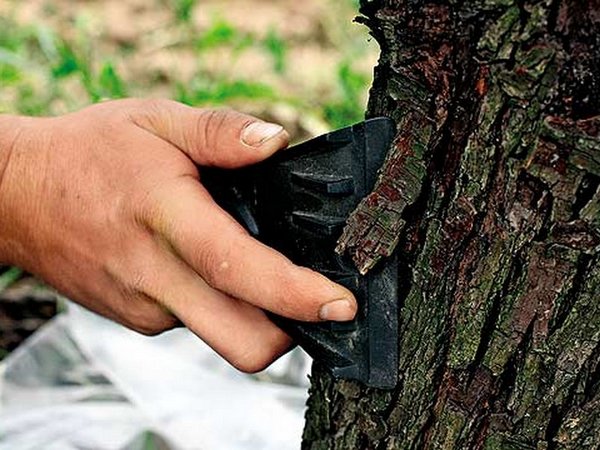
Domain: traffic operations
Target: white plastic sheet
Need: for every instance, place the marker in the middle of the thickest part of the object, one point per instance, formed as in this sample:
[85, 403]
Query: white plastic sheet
[83, 382]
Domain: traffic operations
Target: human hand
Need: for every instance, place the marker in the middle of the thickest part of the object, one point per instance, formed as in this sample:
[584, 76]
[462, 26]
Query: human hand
[105, 204]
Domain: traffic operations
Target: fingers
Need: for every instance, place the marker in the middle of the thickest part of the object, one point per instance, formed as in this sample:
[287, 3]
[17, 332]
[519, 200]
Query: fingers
[238, 331]
[221, 138]
[218, 249]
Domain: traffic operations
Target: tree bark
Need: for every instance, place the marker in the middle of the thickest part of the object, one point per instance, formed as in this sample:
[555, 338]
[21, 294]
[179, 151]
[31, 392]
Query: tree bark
[490, 195]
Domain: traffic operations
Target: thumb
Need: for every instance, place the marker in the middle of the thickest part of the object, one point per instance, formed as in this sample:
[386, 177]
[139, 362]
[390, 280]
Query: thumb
[211, 137]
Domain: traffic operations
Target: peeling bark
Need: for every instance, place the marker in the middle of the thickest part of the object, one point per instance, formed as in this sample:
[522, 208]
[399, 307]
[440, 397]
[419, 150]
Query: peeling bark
[491, 197]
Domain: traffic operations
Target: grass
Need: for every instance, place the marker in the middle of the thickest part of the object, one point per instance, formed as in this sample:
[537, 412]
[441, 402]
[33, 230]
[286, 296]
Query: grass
[183, 9]
[53, 67]
[348, 108]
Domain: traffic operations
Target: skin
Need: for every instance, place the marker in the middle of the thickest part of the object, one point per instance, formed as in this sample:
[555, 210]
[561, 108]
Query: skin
[107, 206]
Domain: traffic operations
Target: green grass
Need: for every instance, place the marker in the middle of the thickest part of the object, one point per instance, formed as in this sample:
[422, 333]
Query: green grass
[183, 9]
[222, 33]
[348, 107]
[277, 48]
[45, 70]
[218, 92]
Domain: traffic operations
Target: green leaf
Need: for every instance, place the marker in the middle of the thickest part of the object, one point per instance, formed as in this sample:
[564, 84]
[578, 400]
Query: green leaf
[67, 63]
[222, 33]
[183, 9]
[203, 91]
[351, 81]
[11, 67]
[277, 48]
[9, 75]
[349, 107]
[110, 83]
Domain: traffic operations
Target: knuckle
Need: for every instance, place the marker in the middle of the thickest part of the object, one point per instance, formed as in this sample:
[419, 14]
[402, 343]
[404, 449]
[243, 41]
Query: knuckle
[138, 281]
[254, 360]
[139, 304]
[154, 105]
[250, 368]
[149, 113]
[291, 296]
[259, 354]
[149, 209]
[147, 318]
[216, 131]
[210, 259]
[148, 329]
[208, 129]
[215, 260]
[139, 269]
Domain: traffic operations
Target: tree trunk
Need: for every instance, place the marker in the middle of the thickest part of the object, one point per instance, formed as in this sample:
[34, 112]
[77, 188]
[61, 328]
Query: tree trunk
[491, 198]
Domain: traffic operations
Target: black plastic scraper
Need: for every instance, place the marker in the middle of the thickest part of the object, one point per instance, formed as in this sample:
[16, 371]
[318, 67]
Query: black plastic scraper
[297, 202]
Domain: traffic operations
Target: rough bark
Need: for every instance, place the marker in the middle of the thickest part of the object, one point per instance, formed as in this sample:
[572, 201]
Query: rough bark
[491, 197]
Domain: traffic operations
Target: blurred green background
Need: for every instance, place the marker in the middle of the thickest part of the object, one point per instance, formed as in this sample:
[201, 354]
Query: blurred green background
[304, 64]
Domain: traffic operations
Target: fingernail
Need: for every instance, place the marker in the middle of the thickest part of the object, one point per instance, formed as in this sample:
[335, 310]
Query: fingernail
[339, 310]
[258, 132]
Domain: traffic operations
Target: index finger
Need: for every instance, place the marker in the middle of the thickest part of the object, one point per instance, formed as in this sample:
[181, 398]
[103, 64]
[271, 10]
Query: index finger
[226, 257]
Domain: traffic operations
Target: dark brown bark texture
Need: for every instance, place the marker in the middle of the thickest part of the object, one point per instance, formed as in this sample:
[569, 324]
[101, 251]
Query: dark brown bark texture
[490, 195]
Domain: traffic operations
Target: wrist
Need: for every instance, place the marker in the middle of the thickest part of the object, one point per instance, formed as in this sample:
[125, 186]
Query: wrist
[11, 129]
